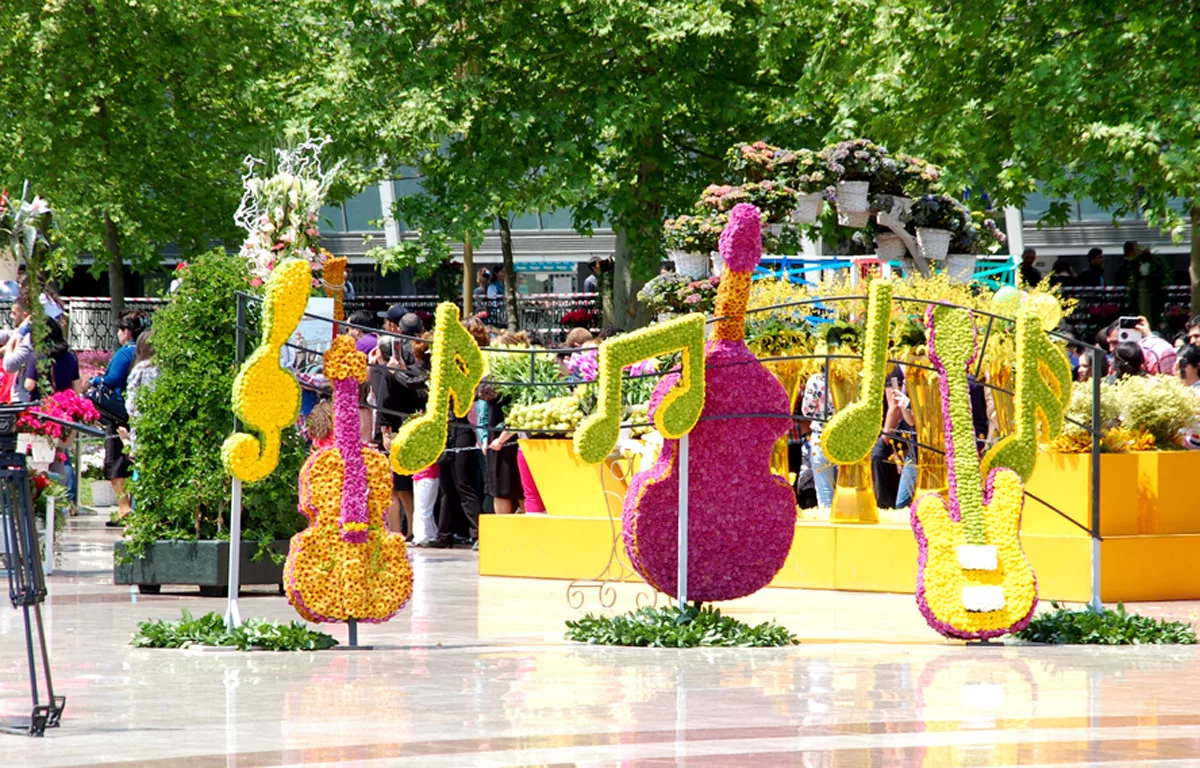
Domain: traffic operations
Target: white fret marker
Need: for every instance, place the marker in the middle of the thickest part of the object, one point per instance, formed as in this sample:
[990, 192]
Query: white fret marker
[978, 557]
[983, 598]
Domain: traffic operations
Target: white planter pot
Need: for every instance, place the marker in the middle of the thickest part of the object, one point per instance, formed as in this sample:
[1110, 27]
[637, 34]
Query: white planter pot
[894, 219]
[960, 267]
[852, 196]
[42, 448]
[690, 264]
[718, 263]
[855, 219]
[889, 246]
[103, 494]
[775, 229]
[808, 208]
[933, 244]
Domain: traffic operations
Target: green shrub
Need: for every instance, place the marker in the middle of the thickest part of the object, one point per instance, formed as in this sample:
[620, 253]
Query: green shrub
[1159, 405]
[182, 491]
[209, 629]
[671, 628]
[1087, 627]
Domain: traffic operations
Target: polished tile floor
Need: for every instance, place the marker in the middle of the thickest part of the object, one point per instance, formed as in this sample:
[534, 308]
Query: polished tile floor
[475, 672]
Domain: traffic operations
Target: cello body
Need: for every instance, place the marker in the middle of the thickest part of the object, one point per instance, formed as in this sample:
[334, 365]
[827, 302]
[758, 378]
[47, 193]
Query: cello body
[741, 516]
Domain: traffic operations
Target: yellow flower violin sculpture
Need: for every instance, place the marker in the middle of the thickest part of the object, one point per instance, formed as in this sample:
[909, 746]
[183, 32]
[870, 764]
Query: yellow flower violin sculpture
[266, 398]
[346, 564]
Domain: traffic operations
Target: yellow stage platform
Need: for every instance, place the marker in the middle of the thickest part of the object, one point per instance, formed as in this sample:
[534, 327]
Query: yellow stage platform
[1150, 529]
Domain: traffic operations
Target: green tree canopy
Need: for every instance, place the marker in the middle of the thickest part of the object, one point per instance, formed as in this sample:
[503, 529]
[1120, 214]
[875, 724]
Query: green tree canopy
[132, 118]
[622, 110]
[1095, 99]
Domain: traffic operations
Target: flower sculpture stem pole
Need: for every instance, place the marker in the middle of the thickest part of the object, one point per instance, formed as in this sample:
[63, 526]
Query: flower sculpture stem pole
[681, 598]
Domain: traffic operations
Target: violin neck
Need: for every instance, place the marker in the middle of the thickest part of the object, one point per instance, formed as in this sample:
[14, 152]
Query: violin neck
[732, 298]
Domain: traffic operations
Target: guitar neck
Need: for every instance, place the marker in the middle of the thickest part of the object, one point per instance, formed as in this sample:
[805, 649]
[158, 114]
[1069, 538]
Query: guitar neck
[955, 331]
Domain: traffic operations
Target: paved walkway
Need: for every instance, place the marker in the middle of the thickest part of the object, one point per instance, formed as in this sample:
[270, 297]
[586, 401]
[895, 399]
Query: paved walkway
[475, 672]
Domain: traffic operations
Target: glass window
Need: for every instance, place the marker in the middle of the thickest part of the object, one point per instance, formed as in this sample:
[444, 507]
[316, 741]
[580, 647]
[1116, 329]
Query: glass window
[363, 209]
[407, 184]
[1036, 205]
[560, 219]
[331, 219]
[1090, 211]
[528, 221]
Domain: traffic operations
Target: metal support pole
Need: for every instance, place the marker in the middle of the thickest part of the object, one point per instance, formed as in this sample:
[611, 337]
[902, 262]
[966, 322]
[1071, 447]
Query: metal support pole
[682, 575]
[1097, 373]
[352, 623]
[233, 618]
[48, 551]
[78, 469]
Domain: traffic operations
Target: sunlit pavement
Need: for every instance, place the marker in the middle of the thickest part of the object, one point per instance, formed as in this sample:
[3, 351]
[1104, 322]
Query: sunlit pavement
[476, 672]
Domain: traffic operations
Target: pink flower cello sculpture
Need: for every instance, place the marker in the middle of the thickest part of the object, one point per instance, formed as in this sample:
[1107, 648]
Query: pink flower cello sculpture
[741, 517]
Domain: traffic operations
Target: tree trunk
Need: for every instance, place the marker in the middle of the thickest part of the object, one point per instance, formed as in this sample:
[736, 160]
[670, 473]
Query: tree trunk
[468, 301]
[1194, 272]
[116, 275]
[512, 319]
[627, 312]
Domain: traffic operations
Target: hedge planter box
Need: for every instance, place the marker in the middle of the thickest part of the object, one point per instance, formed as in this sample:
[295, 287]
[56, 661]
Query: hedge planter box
[202, 563]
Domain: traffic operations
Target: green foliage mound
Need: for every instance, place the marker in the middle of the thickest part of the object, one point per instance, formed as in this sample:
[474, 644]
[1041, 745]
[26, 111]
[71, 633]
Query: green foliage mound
[210, 629]
[1087, 627]
[182, 490]
[692, 627]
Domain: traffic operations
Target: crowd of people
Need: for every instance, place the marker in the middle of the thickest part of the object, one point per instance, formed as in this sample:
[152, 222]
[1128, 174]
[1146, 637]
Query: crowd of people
[1131, 351]
[482, 469]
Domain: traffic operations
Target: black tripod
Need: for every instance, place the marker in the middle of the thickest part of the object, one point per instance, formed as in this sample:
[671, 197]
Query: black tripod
[26, 581]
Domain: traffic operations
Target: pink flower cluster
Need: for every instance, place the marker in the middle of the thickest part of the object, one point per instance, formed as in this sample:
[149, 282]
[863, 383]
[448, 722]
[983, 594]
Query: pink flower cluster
[585, 365]
[66, 405]
[354, 483]
[741, 241]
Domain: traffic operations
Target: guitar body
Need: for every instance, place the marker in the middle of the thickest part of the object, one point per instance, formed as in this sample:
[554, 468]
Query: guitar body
[741, 516]
[942, 581]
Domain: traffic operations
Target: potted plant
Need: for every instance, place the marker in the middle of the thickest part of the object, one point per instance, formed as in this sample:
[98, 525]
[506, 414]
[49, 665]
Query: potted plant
[691, 239]
[179, 528]
[760, 161]
[855, 164]
[92, 471]
[936, 219]
[811, 180]
[980, 236]
[672, 294]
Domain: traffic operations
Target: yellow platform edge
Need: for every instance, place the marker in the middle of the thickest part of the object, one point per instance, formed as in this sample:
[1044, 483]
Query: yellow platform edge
[862, 558]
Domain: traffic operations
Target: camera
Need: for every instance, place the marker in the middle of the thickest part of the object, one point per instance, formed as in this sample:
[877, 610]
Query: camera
[1127, 329]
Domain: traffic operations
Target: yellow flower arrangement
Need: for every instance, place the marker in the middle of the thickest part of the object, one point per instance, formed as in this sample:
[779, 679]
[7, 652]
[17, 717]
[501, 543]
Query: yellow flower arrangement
[1043, 392]
[346, 564]
[850, 435]
[456, 367]
[266, 398]
[679, 409]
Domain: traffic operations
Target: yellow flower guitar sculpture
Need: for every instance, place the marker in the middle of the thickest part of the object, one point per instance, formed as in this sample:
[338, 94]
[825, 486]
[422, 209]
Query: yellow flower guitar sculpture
[266, 398]
[456, 368]
[346, 564]
[973, 578]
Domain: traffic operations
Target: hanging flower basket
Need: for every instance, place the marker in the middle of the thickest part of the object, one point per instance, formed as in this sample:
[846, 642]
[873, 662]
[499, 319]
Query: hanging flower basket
[39, 448]
[852, 196]
[899, 208]
[690, 264]
[855, 219]
[961, 267]
[933, 244]
[889, 246]
[808, 208]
